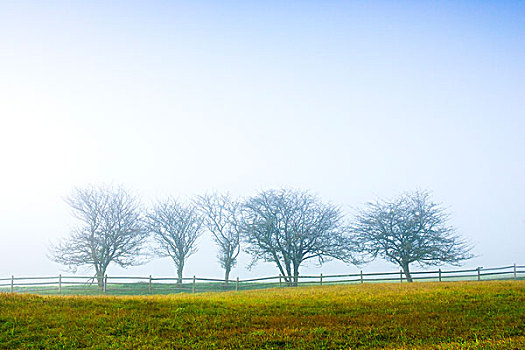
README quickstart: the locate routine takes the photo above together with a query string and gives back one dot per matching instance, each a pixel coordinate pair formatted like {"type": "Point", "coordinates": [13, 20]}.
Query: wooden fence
{"type": "Point", "coordinates": [129, 285]}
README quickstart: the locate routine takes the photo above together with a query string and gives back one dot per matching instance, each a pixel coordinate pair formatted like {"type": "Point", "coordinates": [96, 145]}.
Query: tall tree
{"type": "Point", "coordinates": [410, 228]}
{"type": "Point", "coordinates": [110, 230]}
{"type": "Point", "coordinates": [222, 217]}
{"type": "Point", "coordinates": [175, 228]}
{"type": "Point", "coordinates": [288, 227]}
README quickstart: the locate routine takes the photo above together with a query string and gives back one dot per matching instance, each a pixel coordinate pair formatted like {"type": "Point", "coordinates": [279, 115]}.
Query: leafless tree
{"type": "Point", "coordinates": [110, 230]}
{"type": "Point", "coordinates": [222, 217]}
{"type": "Point", "coordinates": [175, 228]}
{"type": "Point", "coordinates": [288, 227]}
{"type": "Point", "coordinates": [411, 228]}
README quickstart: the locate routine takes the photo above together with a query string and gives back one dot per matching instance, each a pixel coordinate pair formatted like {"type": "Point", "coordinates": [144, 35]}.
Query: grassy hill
{"type": "Point", "coordinates": [470, 315]}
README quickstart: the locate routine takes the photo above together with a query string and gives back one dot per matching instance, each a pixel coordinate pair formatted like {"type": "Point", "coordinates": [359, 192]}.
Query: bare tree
{"type": "Point", "coordinates": [411, 228]}
{"type": "Point", "coordinates": [175, 228]}
{"type": "Point", "coordinates": [288, 227]}
{"type": "Point", "coordinates": [222, 218]}
{"type": "Point", "coordinates": [110, 230]}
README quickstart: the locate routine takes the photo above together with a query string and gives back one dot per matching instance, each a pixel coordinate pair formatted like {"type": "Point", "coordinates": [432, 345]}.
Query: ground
{"type": "Point", "coordinates": [469, 315]}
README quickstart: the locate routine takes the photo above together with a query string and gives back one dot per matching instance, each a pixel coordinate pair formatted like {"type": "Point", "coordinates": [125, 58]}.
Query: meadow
{"type": "Point", "coordinates": [424, 315]}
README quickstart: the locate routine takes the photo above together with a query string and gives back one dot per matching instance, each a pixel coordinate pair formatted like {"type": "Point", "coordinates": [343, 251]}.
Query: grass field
{"type": "Point", "coordinates": [469, 315]}
{"type": "Point", "coordinates": [141, 288]}
{"type": "Point", "coordinates": [128, 289]}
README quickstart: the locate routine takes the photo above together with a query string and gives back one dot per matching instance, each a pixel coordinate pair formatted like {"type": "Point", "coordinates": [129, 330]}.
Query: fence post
{"type": "Point", "coordinates": [280, 282]}
{"type": "Point", "coordinates": [149, 284]}
{"type": "Point", "coordinates": [12, 283]}
{"type": "Point", "coordinates": [362, 276]}
{"type": "Point", "coordinates": [105, 283]}
{"type": "Point", "coordinates": [515, 274]}
{"type": "Point", "coordinates": [237, 284]}
{"type": "Point", "coordinates": [60, 284]}
{"type": "Point", "coordinates": [439, 275]}
{"type": "Point", "coordinates": [193, 285]}
{"type": "Point", "coordinates": [321, 279]}
{"type": "Point", "coordinates": [479, 273]}
{"type": "Point", "coordinates": [401, 276]}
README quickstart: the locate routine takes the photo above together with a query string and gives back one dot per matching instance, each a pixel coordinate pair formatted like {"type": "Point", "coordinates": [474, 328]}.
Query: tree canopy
{"type": "Point", "coordinates": [409, 229]}
{"type": "Point", "coordinates": [175, 227]}
{"type": "Point", "coordinates": [110, 230]}
{"type": "Point", "coordinates": [288, 227]}
{"type": "Point", "coordinates": [222, 216]}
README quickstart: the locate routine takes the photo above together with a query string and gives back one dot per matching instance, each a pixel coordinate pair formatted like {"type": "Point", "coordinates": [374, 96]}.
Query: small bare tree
{"type": "Point", "coordinates": [288, 227]}
{"type": "Point", "coordinates": [110, 230]}
{"type": "Point", "coordinates": [408, 229]}
{"type": "Point", "coordinates": [222, 215]}
{"type": "Point", "coordinates": [175, 228]}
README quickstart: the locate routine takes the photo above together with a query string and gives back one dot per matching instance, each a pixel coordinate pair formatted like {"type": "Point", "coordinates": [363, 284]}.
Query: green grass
{"type": "Point", "coordinates": [448, 315]}
{"type": "Point", "coordinates": [75, 285]}
{"type": "Point", "coordinates": [132, 288]}
{"type": "Point", "coordinates": [142, 288]}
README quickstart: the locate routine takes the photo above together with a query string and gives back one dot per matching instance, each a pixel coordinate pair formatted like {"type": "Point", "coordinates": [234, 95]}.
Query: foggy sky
{"type": "Point", "coordinates": [353, 101]}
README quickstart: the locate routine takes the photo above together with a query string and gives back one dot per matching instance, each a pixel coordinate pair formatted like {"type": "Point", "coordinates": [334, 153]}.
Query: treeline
{"type": "Point", "coordinates": [285, 227]}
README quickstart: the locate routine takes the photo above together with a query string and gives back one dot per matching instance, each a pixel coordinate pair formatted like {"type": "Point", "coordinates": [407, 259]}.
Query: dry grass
{"type": "Point", "coordinates": [470, 315]}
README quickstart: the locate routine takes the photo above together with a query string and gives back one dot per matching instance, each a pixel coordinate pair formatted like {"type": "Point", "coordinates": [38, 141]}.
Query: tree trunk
{"type": "Point", "coordinates": [406, 270]}
{"type": "Point", "coordinates": [284, 273]}
{"type": "Point", "coordinates": [287, 279]}
{"type": "Point", "coordinates": [179, 274]}
{"type": "Point", "coordinates": [289, 275]}
{"type": "Point", "coordinates": [100, 272]}
{"type": "Point", "coordinates": [227, 274]}
{"type": "Point", "coordinates": [295, 275]}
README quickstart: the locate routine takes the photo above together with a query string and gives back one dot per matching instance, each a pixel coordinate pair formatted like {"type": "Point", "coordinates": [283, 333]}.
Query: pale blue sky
{"type": "Point", "coordinates": [352, 100]}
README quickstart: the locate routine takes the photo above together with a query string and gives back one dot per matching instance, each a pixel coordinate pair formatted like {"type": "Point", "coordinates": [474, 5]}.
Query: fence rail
{"type": "Point", "coordinates": [140, 285]}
